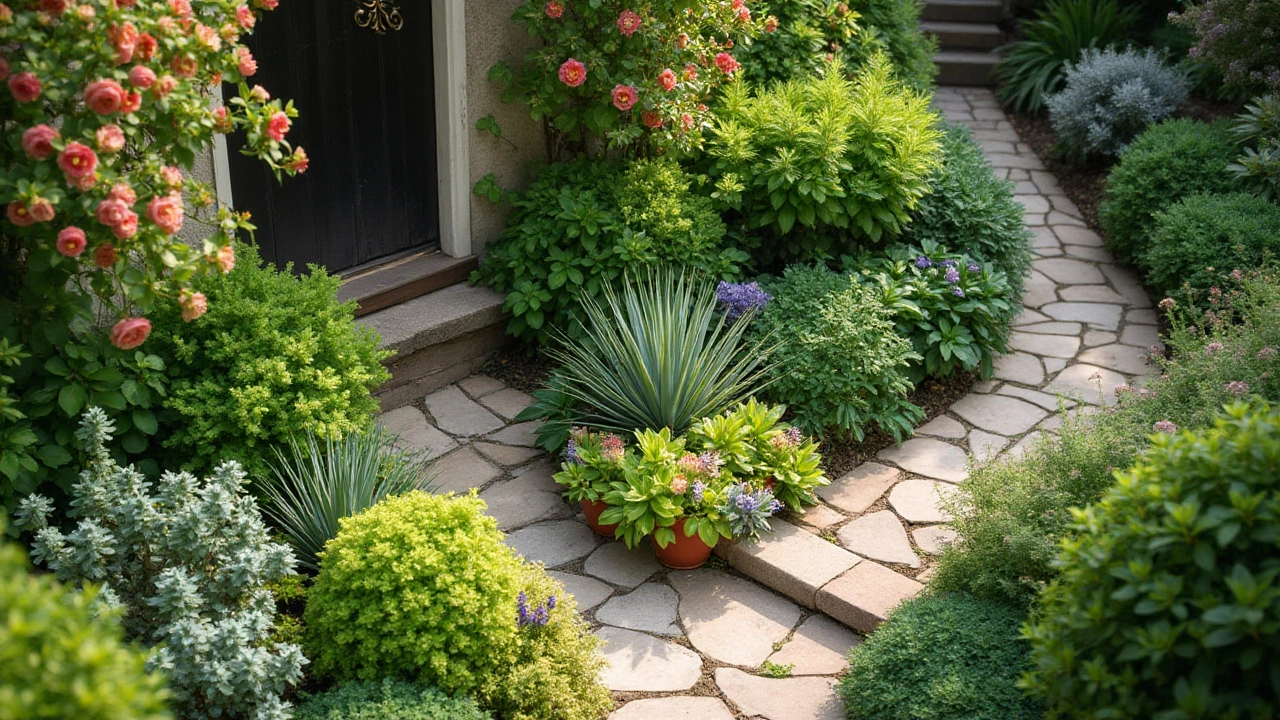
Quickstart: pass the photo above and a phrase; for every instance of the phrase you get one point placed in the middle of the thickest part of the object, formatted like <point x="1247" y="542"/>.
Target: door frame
<point x="453" y="162"/>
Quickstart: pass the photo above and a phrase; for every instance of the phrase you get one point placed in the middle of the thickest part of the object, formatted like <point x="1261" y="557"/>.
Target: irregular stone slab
<point x="524" y="500"/>
<point x="1039" y="290"/>
<point x="1091" y="294"/>
<point x="1053" y="365"/>
<point x="863" y="597"/>
<point x="1044" y="400"/>
<point x="945" y="427"/>
<point x="1063" y="204"/>
<point x="930" y="458"/>
<point x="1081" y="381"/>
<point x="553" y="543"/>
<point x="1094" y="338"/>
<point x="1077" y="235"/>
<point x="1100" y="315"/>
<point x="1043" y="238"/>
<point x="933" y="539"/>
<point x="1121" y="358"/>
<point x="985" y="445"/>
<point x="413" y="433"/>
<point x="480" y="385"/>
<point x="1026" y="187"/>
<point x="457" y="414"/>
<point x="1033" y="219"/>
<point x="507" y="402"/>
<point x="796" y="698"/>
<point x="998" y="413"/>
<point x="520" y="434"/>
<point x="818" y="518"/>
<point x="614" y="563"/>
<point x="1144" y="316"/>
<point x="643" y="663"/>
<point x="1046" y="181"/>
<point x="1011" y="160"/>
<point x="1033" y="203"/>
<point x="819" y="647"/>
<point x="505" y="454"/>
<point x="920" y="501"/>
<point x="1127" y="285"/>
<point x="879" y="536"/>
<point x="1143" y="336"/>
<point x="588" y="592"/>
<point x="1020" y="368"/>
<point x="1090" y="254"/>
<point x="1059" y="346"/>
<point x="1023" y="445"/>
<point x="1053" y="328"/>
<point x="1065" y="271"/>
<point x="650" y="608"/>
<point x="732" y="620"/>
<point x="791" y="560"/>
<point x="984" y="386"/>
<point x="1029" y="317"/>
<point x="462" y="470"/>
<point x="858" y="489"/>
<point x="679" y="707"/>
<point x="1057" y="217"/>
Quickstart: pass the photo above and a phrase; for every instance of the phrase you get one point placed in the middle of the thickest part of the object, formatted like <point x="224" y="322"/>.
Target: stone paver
<point x="505" y="454"/>
<point x="791" y="560"/>
<point x="1044" y="400"/>
<point x="933" y="538"/>
<point x="1019" y="367"/>
<point x="1143" y="336"/>
<point x="858" y="489"/>
<point x="644" y="663"/>
<point x="1100" y="315"/>
<point x="1054" y="346"/>
<point x="1065" y="271"/>
<point x="796" y="698"/>
<point x="676" y="707"/>
<point x="863" y="597"/>
<point x="457" y="414"/>
<point x="820" y="646"/>
<point x="730" y="619"/>
<point x="650" y="607"/>
<point x="481" y="385"/>
<point x="919" y="501"/>
<point x="879" y="536"/>
<point x="984" y="445"/>
<point x="931" y="458"/>
<point x="1053" y="328"/>
<point x="1121" y="358"/>
<point x="1091" y="294"/>
<point x="819" y="517"/>
<point x="521" y="434"/>
<point x="614" y="563"/>
<point x="945" y="427"/>
<point x="1083" y="381"/>
<point x="462" y="470"/>
<point x="999" y="414"/>
<point x="413" y="431"/>
<point x="587" y="591"/>
<point x="523" y="500"/>
<point x="553" y="543"/>
<point x="507" y="402"/>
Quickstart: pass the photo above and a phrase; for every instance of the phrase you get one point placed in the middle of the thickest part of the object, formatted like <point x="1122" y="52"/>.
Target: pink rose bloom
<point x="105" y="256"/>
<point x="111" y="212"/>
<point x="110" y="138"/>
<point x="277" y="126"/>
<point x="78" y="161"/>
<point x="193" y="304"/>
<point x="41" y="210"/>
<point x="164" y="86"/>
<point x="124" y="194"/>
<point x="624" y="97"/>
<point x="245" y="17"/>
<point x="226" y="258"/>
<point x="184" y="66"/>
<point x="744" y="14"/>
<point x="222" y="120"/>
<point x="19" y="215"/>
<point x="229" y="32"/>
<point x="166" y="212"/>
<point x="770" y="24"/>
<point x="132" y="103"/>
<point x="181" y="8"/>
<point x="628" y="23"/>
<point x="259" y="93"/>
<point x="247" y="65"/>
<point x="130" y="332"/>
<point x="25" y="87"/>
<point x="37" y="141"/>
<point x="142" y="77"/>
<point x="686" y="121"/>
<point x="298" y="162"/>
<point x="147" y="45"/>
<point x="172" y="176"/>
<point x="553" y="9"/>
<point x="690" y="72"/>
<point x="667" y="80"/>
<point x="125" y="41"/>
<point x="651" y="119"/>
<point x="208" y="37"/>
<point x="683" y="41"/>
<point x="573" y="73"/>
<point x="127" y="227"/>
<point x="726" y="63"/>
<point x="71" y="241"/>
<point x="267" y="4"/>
<point x="104" y="96"/>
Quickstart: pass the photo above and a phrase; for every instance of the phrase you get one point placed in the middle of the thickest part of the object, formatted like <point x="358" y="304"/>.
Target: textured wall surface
<point x="493" y="36"/>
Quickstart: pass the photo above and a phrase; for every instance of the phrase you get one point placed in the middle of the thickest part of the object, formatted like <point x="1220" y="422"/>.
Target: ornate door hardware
<point x="379" y="16"/>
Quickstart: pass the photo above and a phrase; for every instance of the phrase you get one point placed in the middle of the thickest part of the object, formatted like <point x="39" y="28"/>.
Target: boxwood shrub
<point x="1199" y="239"/>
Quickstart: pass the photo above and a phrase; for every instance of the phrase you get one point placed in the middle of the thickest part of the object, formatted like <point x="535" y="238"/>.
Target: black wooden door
<point x="366" y="119"/>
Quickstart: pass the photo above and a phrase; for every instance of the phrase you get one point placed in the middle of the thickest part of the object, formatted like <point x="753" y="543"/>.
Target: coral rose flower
<point x="71" y="241"/>
<point x="142" y="77"/>
<point x="259" y="93"/>
<point x="125" y="41"/>
<point x="104" y="96"/>
<point x="226" y="258"/>
<point x="193" y="304"/>
<point x="553" y="9"/>
<point x="37" y="141"/>
<point x="651" y="119"/>
<point x="686" y="121"/>
<point x="690" y="72"/>
<point x="246" y="64"/>
<point x="132" y="103"/>
<point x="146" y="48"/>
<point x="172" y="176"/>
<point x="166" y="212"/>
<point x="573" y="73"/>
<point x="41" y="210"/>
<point x="25" y="87"/>
<point x="124" y="194"/>
<point x="682" y="41"/>
<point x="770" y="24"/>
<point x="222" y="120"/>
<point x="667" y="80"/>
<point x="298" y="162"/>
<point x="208" y="37"/>
<point x="130" y="332"/>
<point x="726" y="63"/>
<point x="245" y="17"/>
<point x="184" y="66"/>
<point x="127" y="227"/>
<point x="267" y="4"/>
<point x="624" y="97"/>
<point x="110" y="138"/>
<point x="19" y="215"/>
<point x="112" y="211"/>
<point x="78" y="161"/>
<point x="105" y="256"/>
<point x="181" y="8"/>
<point x="628" y="23"/>
<point x="277" y="126"/>
<point x="164" y="86"/>
<point x="744" y="14"/>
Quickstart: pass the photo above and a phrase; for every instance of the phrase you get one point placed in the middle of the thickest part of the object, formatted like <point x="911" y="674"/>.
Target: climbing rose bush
<point x="637" y="74"/>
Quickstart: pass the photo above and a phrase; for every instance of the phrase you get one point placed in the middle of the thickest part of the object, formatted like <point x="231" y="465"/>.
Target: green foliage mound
<point x="419" y="587"/>
<point x="838" y="364"/>
<point x="970" y="211"/>
<point x="1164" y="164"/>
<point x="816" y="166"/>
<point x="276" y="356"/>
<point x="586" y="222"/>
<point x="940" y="657"/>
<point x="1169" y="600"/>
<point x="60" y="658"/>
<point x="388" y="700"/>
<point x="1199" y="238"/>
<point x="892" y="27"/>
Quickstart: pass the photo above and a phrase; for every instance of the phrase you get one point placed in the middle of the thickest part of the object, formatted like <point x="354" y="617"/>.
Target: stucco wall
<point x="493" y="36"/>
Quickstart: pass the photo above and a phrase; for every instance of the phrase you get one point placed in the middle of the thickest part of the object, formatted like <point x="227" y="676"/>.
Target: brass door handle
<point x="379" y="16"/>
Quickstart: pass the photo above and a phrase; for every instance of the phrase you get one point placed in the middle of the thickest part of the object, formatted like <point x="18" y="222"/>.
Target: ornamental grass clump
<point x="189" y="564"/>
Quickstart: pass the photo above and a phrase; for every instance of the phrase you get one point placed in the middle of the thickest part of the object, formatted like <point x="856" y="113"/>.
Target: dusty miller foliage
<point x="1112" y="96"/>
<point x="188" y="561"/>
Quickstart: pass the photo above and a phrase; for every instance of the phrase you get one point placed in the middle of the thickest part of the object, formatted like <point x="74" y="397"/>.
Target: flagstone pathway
<point x="691" y="644"/>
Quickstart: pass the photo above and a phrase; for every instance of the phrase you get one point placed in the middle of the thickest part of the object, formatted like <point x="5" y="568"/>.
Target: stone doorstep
<point x="793" y="561"/>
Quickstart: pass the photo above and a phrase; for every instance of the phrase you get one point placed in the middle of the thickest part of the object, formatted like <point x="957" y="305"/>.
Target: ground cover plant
<point x="386" y="700"/>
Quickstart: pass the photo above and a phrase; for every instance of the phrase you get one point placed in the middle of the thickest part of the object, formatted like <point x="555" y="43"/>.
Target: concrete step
<point x="439" y="338"/>
<point x="965" y="67"/>
<point x="963" y="36"/>
<point x="974" y="11"/>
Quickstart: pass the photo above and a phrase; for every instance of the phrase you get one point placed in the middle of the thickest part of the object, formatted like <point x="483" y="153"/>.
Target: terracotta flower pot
<point x="684" y="553"/>
<point x="592" y="509"/>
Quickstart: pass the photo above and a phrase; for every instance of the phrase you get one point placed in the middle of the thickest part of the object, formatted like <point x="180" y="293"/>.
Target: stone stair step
<point x="963" y="35"/>
<point x="980" y="11"/>
<point x="965" y="67"/>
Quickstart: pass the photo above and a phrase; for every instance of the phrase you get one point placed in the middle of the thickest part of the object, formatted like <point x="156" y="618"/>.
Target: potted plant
<point x="592" y="462"/>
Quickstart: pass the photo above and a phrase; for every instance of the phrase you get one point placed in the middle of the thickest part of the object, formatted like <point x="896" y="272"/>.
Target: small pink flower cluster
<point x="612" y="448"/>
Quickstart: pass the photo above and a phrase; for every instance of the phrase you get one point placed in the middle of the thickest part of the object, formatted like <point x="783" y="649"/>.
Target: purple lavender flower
<point x="698" y="489"/>
<point x="747" y="502"/>
<point x="775" y="507"/>
<point x="923" y="262"/>
<point x="741" y="298"/>
<point x="953" y="276"/>
<point x="571" y="453"/>
<point x="551" y="602"/>
<point x="794" y="436"/>
<point x="538" y="617"/>
<point x="957" y="291"/>
<point x="948" y="263"/>
<point x="973" y="267"/>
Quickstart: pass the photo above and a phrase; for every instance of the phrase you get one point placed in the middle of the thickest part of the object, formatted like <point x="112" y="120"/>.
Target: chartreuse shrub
<point x="1164" y="164"/>
<point x="970" y="211"/>
<point x="892" y="27"/>
<point x="1199" y="238"/>
<point x="838" y="363"/>
<point x="938" y="657"/>
<point x="275" y="356"/>
<point x="62" y="658"/>
<point x="188" y="562"/>
<point x="813" y="167"/>
<point x="386" y="700"/>
<point x="587" y="222"/>
<point x="1168" y="604"/>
